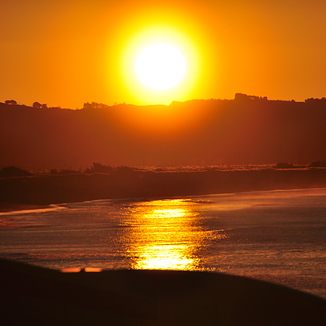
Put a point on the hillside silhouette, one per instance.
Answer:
(245, 130)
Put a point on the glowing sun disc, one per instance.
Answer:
(160, 66)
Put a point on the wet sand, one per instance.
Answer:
(12, 207)
(38, 296)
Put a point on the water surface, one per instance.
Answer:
(277, 236)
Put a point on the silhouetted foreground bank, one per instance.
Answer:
(51, 189)
(36, 296)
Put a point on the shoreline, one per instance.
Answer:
(11, 208)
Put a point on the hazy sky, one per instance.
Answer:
(67, 52)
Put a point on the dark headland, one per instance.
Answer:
(242, 131)
(245, 131)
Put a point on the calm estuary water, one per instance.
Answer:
(278, 236)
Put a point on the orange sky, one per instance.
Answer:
(67, 52)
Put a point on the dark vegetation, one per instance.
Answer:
(284, 165)
(100, 181)
(246, 130)
(318, 164)
(98, 168)
(12, 171)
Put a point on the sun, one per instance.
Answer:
(160, 66)
(156, 63)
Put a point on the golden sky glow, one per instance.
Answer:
(75, 51)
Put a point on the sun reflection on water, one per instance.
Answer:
(164, 235)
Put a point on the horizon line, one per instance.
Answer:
(238, 97)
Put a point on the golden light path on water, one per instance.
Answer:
(165, 235)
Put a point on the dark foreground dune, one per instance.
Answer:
(36, 296)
